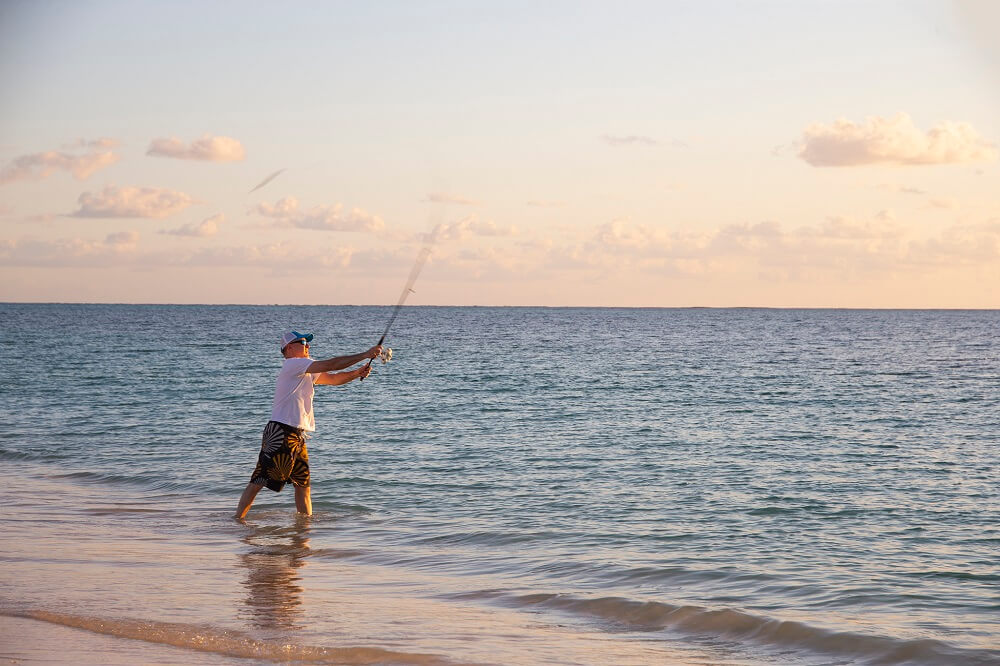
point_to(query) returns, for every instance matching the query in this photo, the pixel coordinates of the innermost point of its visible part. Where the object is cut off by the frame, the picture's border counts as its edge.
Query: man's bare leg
(246, 499)
(303, 501)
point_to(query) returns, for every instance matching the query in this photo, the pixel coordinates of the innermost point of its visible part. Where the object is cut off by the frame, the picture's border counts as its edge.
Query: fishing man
(283, 456)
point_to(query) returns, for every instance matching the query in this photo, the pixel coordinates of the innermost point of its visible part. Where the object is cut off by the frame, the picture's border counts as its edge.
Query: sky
(804, 153)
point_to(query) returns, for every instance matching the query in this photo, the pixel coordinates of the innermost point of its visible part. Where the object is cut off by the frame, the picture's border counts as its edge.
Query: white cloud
(894, 141)
(442, 197)
(204, 229)
(322, 218)
(145, 202)
(207, 148)
(38, 166)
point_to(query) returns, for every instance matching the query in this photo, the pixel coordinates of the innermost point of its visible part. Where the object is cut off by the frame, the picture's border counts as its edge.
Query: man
(283, 456)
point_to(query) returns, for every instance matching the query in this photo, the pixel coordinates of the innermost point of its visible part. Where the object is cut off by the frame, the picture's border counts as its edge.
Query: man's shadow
(275, 555)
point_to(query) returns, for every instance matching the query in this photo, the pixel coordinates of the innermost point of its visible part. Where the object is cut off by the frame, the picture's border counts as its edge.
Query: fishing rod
(425, 252)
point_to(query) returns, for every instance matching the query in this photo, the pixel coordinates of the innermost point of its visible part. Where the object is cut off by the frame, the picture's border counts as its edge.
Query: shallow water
(518, 486)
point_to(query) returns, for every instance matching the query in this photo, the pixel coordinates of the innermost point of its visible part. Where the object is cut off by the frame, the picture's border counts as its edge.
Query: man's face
(297, 349)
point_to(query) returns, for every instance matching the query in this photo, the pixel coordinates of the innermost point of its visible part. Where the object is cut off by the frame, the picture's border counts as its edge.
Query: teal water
(621, 486)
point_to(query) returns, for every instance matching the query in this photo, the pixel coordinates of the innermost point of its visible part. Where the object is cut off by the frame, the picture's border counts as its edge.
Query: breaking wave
(634, 615)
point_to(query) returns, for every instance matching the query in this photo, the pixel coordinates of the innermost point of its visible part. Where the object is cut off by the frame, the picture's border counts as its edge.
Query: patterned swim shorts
(283, 457)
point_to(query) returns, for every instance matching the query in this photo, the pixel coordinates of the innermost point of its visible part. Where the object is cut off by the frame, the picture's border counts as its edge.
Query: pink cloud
(208, 148)
(894, 141)
(144, 202)
(38, 166)
(448, 231)
(321, 218)
(204, 229)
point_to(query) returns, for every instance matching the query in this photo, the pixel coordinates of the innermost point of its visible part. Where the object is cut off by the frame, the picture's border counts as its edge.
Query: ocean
(517, 486)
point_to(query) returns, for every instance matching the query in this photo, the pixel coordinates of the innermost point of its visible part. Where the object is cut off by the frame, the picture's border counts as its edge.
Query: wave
(145, 480)
(230, 642)
(46, 455)
(730, 624)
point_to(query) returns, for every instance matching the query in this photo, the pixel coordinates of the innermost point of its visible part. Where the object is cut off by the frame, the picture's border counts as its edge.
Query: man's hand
(374, 352)
(365, 370)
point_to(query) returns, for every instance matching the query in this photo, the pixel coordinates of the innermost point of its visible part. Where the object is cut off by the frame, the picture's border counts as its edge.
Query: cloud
(204, 229)
(146, 202)
(441, 197)
(104, 143)
(116, 249)
(960, 245)
(947, 204)
(122, 250)
(620, 236)
(122, 239)
(842, 245)
(894, 141)
(322, 218)
(900, 189)
(208, 148)
(451, 231)
(630, 140)
(38, 166)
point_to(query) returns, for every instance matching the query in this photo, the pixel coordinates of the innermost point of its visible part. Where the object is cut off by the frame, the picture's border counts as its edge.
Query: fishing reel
(385, 355)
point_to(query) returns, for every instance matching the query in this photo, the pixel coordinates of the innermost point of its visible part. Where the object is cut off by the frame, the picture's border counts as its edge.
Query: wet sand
(29, 641)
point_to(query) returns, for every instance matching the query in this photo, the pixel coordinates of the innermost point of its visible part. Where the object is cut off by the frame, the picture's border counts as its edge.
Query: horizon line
(540, 307)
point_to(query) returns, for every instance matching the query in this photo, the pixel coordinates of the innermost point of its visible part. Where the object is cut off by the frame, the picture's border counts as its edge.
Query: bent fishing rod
(425, 252)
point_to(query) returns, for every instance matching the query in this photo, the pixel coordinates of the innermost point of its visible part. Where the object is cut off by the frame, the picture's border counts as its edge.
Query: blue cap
(293, 336)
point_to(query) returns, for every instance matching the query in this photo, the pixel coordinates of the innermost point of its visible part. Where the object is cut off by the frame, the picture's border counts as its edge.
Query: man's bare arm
(339, 378)
(340, 362)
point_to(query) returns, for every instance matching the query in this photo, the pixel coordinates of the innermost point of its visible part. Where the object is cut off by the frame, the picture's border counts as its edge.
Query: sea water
(517, 486)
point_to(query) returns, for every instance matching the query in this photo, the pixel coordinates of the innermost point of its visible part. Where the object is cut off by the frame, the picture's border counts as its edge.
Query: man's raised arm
(341, 362)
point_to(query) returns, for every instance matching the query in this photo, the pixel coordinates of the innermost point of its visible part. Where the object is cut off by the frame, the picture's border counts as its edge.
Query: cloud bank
(145, 202)
(893, 141)
(208, 148)
(322, 218)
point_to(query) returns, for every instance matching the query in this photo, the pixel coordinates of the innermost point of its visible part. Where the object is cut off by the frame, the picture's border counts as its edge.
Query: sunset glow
(581, 154)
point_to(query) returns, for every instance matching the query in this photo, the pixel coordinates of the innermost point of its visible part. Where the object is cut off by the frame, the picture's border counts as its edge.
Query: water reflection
(274, 595)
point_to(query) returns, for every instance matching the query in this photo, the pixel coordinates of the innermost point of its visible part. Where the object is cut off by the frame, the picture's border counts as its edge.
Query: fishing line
(425, 252)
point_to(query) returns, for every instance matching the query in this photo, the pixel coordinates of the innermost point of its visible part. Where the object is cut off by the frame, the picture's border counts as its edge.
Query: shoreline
(29, 640)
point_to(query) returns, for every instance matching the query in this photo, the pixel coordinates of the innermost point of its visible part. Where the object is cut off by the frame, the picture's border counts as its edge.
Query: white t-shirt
(293, 396)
